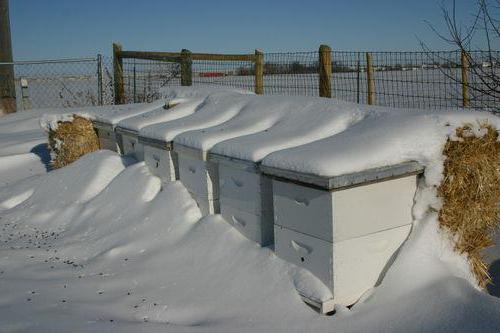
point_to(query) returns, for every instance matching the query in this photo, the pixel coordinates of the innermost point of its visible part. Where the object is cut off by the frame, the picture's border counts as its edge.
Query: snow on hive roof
(179, 93)
(382, 139)
(108, 114)
(186, 101)
(215, 109)
(268, 123)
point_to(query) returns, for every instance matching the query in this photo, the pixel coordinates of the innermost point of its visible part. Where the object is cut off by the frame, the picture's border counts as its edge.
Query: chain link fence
(62, 82)
(400, 79)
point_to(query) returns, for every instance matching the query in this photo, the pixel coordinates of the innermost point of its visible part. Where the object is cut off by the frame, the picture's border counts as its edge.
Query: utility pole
(7, 85)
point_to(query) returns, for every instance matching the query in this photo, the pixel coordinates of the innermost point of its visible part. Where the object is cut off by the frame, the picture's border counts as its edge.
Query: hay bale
(69, 140)
(470, 192)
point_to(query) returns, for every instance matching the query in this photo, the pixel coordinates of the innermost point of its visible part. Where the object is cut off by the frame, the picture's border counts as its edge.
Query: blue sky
(73, 28)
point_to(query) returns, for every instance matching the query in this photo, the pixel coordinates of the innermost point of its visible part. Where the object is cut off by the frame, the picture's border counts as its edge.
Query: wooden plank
(325, 71)
(160, 56)
(176, 56)
(223, 57)
(259, 72)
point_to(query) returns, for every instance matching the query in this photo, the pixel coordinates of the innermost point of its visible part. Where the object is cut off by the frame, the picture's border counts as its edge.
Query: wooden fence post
(370, 79)
(325, 71)
(118, 74)
(7, 77)
(186, 68)
(465, 79)
(259, 72)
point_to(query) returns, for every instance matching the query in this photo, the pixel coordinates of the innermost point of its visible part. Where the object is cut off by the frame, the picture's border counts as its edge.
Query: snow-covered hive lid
(306, 119)
(381, 140)
(257, 114)
(182, 101)
(113, 114)
(107, 114)
(215, 109)
(188, 92)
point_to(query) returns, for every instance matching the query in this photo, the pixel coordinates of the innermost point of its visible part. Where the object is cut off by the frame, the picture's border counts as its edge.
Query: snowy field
(103, 246)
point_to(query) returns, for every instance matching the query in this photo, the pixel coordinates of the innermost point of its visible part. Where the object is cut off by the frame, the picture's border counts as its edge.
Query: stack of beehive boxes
(343, 229)
(246, 198)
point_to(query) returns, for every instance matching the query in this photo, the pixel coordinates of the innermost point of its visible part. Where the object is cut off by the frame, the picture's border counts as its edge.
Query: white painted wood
(106, 141)
(198, 176)
(254, 226)
(344, 214)
(371, 208)
(324, 307)
(207, 206)
(161, 162)
(304, 209)
(358, 262)
(131, 146)
(245, 190)
(311, 253)
(107, 136)
(350, 267)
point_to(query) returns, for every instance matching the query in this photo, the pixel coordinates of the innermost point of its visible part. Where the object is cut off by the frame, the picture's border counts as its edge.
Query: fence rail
(399, 79)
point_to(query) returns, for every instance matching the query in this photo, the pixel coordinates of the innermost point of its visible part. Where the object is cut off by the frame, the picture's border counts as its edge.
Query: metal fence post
(118, 74)
(465, 79)
(135, 86)
(26, 103)
(325, 71)
(259, 72)
(370, 79)
(358, 70)
(186, 68)
(100, 93)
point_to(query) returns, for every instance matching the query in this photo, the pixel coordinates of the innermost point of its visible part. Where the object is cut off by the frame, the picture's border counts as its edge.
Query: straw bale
(470, 192)
(72, 139)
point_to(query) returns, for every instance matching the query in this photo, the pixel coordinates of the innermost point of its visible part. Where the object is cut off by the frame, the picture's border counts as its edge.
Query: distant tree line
(297, 67)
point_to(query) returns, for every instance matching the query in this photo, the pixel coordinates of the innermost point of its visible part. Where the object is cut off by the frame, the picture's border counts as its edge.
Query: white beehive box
(129, 143)
(200, 177)
(343, 229)
(245, 198)
(107, 136)
(106, 118)
(160, 158)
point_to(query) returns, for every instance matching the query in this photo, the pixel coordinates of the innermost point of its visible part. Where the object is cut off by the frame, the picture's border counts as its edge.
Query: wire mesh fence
(294, 73)
(401, 79)
(236, 74)
(61, 83)
(143, 79)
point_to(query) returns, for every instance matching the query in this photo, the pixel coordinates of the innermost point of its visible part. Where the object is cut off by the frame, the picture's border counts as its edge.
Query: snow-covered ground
(102, 245)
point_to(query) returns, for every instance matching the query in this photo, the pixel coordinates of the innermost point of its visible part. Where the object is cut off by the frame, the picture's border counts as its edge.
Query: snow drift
(102, 245)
